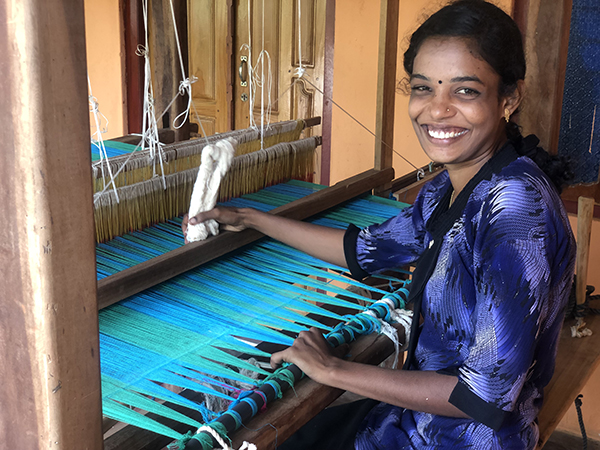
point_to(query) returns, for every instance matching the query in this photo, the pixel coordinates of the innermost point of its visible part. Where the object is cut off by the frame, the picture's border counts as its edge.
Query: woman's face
(454, 104)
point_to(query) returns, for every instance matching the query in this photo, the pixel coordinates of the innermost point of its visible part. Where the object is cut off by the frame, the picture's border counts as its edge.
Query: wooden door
(291, 97)
(218, 33)
(209, 41)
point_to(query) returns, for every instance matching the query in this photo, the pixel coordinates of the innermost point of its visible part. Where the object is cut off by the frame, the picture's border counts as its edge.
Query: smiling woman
(493, 250)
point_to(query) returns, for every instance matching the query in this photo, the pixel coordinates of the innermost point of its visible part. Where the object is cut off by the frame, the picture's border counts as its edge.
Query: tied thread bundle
(216, 160)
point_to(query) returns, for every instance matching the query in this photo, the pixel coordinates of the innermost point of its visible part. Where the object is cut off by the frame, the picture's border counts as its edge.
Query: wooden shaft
(149, 273)
(585, 212)
(386, 86)
(50, 389)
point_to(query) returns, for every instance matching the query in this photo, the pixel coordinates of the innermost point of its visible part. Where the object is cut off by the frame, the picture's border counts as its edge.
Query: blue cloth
(492, 309)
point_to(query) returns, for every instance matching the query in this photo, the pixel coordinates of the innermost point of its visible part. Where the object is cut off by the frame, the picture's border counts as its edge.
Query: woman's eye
(420, 88)
(467, 91)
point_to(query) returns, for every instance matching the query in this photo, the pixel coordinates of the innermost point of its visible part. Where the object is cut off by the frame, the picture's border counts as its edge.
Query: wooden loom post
(545, 26)
(50, 390)
(585, 212)
(386, 88)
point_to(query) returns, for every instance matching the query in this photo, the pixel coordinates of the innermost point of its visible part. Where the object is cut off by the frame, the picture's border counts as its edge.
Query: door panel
(281, 42)
(210, 57)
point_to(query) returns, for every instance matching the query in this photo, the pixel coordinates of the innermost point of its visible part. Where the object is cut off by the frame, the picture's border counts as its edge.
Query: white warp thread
(404, 318)
(221, 442)
(216, 160)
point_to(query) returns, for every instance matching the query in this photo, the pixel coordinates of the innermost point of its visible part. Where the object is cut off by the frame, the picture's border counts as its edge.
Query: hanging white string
(149, 127)
(299, 73)
(221, 442)
(256, 80)
(98, 141)
(262, 78)
(185, 87)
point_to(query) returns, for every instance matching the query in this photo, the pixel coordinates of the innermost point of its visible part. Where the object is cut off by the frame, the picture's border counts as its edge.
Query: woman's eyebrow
(466, 78)
(418, 76)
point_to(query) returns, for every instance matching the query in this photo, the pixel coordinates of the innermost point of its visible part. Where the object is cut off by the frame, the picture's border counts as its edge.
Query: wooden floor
(559, 440)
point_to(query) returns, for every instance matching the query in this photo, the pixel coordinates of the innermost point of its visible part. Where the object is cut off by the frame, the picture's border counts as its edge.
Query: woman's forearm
(424, 391)
(321, 242)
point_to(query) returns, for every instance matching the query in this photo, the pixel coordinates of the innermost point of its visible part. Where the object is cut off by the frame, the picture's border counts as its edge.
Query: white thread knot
(186, 84)
(94, 104)
(402, 317)
(299, 72)
(141, 50)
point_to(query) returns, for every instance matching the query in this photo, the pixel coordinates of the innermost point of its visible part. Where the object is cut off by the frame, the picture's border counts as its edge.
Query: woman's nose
(441, 107)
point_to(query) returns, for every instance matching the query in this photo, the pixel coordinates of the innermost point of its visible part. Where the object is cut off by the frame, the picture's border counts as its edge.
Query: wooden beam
(50, 390)
(545, 25)
(133, 27)
(386, 87)
(328, 93)
(149, 273)
(572, 207)
(585, 212)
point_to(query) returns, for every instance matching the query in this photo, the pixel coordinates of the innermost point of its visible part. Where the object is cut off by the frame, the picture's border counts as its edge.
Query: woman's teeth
(438, 134)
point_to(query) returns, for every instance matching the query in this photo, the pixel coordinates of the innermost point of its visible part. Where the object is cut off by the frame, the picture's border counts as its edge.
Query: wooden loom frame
(48, 322)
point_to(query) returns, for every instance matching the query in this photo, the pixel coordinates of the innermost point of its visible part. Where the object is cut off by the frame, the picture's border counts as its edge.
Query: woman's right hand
(232, 219)
(316, 240)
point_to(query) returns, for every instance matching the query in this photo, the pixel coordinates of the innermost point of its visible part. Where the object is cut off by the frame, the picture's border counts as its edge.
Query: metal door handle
(244, 62)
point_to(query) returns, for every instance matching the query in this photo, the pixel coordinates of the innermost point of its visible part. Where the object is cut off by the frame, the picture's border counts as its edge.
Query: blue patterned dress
(492, 308)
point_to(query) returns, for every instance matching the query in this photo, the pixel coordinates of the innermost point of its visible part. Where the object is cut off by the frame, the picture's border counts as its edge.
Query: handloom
(252, 295)
(212, 314)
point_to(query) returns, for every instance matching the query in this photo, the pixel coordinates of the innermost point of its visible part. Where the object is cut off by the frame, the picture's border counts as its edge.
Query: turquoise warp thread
(184, 332)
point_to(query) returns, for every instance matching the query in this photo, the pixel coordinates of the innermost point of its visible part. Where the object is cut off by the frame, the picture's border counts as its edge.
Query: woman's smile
(443, 134)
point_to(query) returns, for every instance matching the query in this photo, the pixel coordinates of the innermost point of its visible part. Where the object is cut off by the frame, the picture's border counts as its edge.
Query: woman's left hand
(312, 354)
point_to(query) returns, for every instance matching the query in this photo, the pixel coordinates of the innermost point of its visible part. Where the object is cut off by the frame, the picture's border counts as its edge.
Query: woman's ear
(514, 99)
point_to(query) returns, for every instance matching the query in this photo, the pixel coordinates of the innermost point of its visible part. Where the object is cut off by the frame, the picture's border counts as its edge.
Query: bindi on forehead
(439, 81)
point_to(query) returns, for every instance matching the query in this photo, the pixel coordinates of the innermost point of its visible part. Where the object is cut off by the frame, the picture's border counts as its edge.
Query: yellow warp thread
(180, 156)
(147, 202)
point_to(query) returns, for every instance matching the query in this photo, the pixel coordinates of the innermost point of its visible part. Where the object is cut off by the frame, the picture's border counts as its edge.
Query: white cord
(221, 442)
(98, 141)
(299, 72)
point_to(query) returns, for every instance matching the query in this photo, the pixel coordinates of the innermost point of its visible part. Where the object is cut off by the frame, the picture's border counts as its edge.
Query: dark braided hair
(497, 40)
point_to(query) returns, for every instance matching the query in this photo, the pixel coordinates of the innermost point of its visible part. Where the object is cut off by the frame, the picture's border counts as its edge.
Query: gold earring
(506, 115)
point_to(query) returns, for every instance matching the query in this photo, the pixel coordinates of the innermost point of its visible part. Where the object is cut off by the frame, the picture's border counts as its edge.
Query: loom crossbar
(150, 273)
